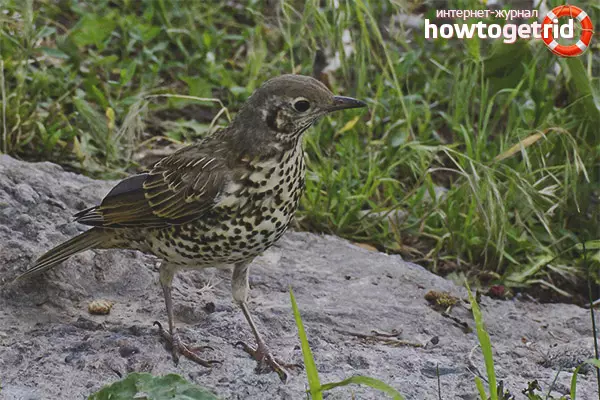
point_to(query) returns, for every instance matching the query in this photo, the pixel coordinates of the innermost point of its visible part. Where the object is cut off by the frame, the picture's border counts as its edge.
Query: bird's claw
(178, 347)
(266, 361)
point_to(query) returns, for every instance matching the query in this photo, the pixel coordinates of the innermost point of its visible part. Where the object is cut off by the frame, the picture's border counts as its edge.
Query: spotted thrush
(218, 203)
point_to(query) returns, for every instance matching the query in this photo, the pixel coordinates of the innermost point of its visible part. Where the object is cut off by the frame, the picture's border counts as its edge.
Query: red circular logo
(586, 34)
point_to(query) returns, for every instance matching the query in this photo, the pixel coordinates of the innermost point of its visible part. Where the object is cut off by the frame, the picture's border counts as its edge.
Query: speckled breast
(251, 214)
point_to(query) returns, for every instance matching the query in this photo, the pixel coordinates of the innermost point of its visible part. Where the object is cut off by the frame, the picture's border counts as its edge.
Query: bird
(219, 202)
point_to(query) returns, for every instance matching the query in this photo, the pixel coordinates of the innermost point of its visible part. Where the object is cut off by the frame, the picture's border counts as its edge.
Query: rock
(50, 347)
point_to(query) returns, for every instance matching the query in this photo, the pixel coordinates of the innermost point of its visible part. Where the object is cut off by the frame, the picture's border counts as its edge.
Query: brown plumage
(218, 203)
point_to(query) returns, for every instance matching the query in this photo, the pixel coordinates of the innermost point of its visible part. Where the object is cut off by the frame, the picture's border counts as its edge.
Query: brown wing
(179, 189)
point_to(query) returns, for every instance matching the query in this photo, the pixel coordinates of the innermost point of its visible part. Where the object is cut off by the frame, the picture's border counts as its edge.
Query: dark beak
(342, 103)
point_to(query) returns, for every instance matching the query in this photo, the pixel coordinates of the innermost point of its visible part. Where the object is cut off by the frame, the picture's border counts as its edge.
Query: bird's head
(286, 106)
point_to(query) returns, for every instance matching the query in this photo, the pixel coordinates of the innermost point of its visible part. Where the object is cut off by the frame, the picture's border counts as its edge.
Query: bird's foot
(178, 347)
(266, 361)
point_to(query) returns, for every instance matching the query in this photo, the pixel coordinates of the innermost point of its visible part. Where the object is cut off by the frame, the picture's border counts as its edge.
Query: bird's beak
(342, 103)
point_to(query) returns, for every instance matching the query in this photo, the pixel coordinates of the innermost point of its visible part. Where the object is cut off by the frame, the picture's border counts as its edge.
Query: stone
(51, 347)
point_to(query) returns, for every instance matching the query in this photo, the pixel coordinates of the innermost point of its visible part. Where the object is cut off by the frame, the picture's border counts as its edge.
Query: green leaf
(147, 387)
(95, 120)
(589, 245)
(583, 84)
(592, 361)
(504, 67)
(199, 87)
(128, 73)
(473, 45)
(52, 52)
(314, 383)
(93, 29)
(480, 388)
(148, 32)
(106, 60)
(523, 275)
(486, 346)
(45, 32)
(367, 381)
(99, 96)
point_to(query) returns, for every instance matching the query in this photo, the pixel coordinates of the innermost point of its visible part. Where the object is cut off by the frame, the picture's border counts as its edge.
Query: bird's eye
(301, 105)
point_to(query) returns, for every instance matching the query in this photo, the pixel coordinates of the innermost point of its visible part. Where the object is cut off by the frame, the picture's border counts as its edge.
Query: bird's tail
(94, 238)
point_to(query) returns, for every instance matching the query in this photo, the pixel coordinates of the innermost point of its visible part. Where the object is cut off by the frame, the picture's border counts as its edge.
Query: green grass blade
(590, 245)
(584, 87)
(592, 361)
(480, 388)
(309, 362)
(367, 381)
(486, 346)
(574, 382)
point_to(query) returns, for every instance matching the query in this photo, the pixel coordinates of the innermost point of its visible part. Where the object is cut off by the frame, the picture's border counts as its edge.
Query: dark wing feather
(179, 189)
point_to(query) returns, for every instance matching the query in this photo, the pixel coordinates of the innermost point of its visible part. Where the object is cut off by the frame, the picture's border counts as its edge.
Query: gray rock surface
(52, 348)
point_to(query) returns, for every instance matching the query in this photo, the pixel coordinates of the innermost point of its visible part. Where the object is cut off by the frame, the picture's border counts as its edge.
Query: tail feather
(93, 238)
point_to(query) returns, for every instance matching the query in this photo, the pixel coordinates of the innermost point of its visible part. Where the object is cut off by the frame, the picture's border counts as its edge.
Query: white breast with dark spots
(273, 194)
(278, 187)
(250, 215)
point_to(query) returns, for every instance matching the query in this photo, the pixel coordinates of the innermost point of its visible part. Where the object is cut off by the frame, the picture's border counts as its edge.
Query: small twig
(465, 327)
(393, 333)
(384, 339)
(437, 372)
(553, 383)
(374, 334)
(216, 118)
(4, 132)
(209, 285)
(472, 367)
(592, 304)
(555, 336)
(181, 96)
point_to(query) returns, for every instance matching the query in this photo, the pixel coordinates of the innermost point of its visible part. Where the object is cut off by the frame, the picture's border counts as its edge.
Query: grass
(476, 158)
(316, 389)
(486, 349)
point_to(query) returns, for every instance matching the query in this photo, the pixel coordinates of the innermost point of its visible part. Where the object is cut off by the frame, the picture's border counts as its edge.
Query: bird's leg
(167, 271)
(239, 287)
